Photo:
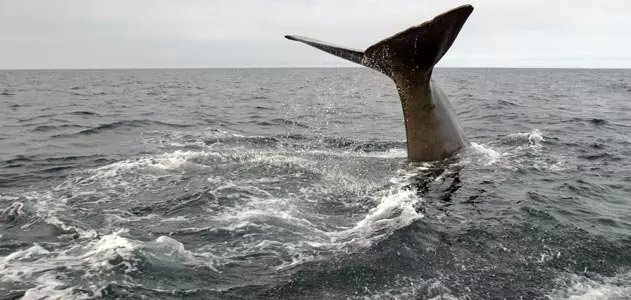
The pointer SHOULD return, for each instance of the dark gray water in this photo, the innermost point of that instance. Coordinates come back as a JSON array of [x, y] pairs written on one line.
[[294, 184]]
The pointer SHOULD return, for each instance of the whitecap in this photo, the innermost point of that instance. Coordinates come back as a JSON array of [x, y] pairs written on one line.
[[578, 287]]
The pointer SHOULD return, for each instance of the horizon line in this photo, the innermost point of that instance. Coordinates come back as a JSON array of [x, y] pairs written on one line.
[[292, 67]]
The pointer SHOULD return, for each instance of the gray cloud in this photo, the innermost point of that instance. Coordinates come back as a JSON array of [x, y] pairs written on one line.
[[244, 33]]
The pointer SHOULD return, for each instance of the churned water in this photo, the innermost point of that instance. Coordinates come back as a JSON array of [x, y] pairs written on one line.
[[294, 184]]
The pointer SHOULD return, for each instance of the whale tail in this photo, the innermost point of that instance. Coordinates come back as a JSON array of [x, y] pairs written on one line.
[[414, 51]]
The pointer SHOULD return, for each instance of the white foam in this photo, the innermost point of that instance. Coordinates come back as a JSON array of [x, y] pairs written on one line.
[[110, 246], [384, 210], [531, 140], [258, 208], [414, 289], [559, 166], [174, 219], [535, 137], [49, 217], [126, 178], [481, 155], [275, 159], [509, 153], [26, 254], [216, 179], [576, 287], [44, 206], [50, 287], [390, 153], [15, 210], [169, 249], [394, 210], [165, 161], [187, 138], [258, 204], [122, 179], [37, 266]]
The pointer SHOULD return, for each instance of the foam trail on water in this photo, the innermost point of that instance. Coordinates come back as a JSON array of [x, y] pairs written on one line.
[[280, 204], [394, 210], [576, 287], [94, 258]]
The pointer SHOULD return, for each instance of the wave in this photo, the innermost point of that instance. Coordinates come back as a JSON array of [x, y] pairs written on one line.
[[39, 159], [533, 138], [621, 86], [598, 121], [259, 198], [36, 117], [19, 159], [593, 121], [13, 212], [16, 106], [505, 103], [606, 156], [83, 113], [582, 287], [215, 138], [88, 94], [293, 136], [360, 146], [48, 128], [187, 203], [281, 122], [127, 124], [49, 116], [271, 210], [306, 142], [24, 170], [110, 254], [252, 140], [257, 98]]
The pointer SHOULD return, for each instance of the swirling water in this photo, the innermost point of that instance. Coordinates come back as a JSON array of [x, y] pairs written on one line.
[[294, 184]]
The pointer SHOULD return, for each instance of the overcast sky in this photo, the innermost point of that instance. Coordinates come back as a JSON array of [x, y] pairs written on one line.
[[42, 34]]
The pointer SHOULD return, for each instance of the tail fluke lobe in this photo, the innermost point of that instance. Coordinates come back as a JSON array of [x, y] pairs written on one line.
[[418, 48], [411, 51], [348, 54]]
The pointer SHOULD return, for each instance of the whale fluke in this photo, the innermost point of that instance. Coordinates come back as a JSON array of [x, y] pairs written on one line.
[[409, 57], [353, 55], [416, 48], [420, 47]]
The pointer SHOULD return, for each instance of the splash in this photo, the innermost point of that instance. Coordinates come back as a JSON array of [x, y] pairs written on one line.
[[95, 259], [577, 287]]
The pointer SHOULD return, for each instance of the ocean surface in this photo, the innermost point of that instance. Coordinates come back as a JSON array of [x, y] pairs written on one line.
[[294, 184]]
